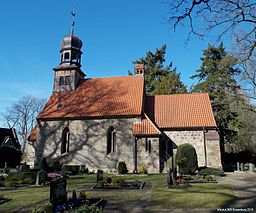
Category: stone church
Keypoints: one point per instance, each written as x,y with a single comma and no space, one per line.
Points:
98,122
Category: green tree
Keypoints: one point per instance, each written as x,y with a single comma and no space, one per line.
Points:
217,76
160,79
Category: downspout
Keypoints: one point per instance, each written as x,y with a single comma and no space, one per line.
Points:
135,154
205,150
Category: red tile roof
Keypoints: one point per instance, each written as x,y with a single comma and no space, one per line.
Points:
145,127
33,135
181,110
97,97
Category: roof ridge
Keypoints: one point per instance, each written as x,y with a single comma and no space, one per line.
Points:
121,76
180,94
151,122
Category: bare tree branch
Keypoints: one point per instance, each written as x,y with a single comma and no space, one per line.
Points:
22,115
231,19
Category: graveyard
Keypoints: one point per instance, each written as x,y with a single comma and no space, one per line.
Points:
155,193
59,188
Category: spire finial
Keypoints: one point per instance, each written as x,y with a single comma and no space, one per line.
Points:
73,21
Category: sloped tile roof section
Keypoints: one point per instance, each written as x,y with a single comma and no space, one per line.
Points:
181,110
145,127
33,135
97,97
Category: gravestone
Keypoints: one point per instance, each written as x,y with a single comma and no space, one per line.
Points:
177,171
5,167
74,196
82,168
40,177
58,193
251,167
238,166
242,167
24,167
99,176
170,181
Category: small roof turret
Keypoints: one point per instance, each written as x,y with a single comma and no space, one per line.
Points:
71,42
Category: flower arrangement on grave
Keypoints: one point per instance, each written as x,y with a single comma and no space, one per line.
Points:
80,204
54,176
83,195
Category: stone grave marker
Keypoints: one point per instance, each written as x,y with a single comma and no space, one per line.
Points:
99,176
169,178
242,167
251,167
177,171
238,166
24,167
58,193
5,167
40,177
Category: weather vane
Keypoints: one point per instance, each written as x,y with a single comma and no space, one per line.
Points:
73,20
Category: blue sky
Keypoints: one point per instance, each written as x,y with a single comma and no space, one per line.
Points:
114,34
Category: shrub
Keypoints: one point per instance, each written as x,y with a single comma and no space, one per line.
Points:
3,176
83,169
48,208
189,152
9,183
83,195
73,169
182,163
23,177
122,169
143,169
100,183
246,167
210,171
109,180
208,178
118,181
87,209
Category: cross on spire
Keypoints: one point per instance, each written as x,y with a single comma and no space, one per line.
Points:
73,21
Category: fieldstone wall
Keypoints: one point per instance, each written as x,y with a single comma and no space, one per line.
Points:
208,150
29,153
148,156
88,143
213,149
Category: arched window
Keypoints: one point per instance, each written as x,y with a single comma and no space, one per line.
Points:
66,57
148,145
111,140
61,80
74,57
65,141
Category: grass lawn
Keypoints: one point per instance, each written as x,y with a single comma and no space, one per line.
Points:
22,198
31,196
197,196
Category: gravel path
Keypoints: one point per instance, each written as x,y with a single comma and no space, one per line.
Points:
244,187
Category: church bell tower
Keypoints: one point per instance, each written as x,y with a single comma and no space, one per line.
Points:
68,74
